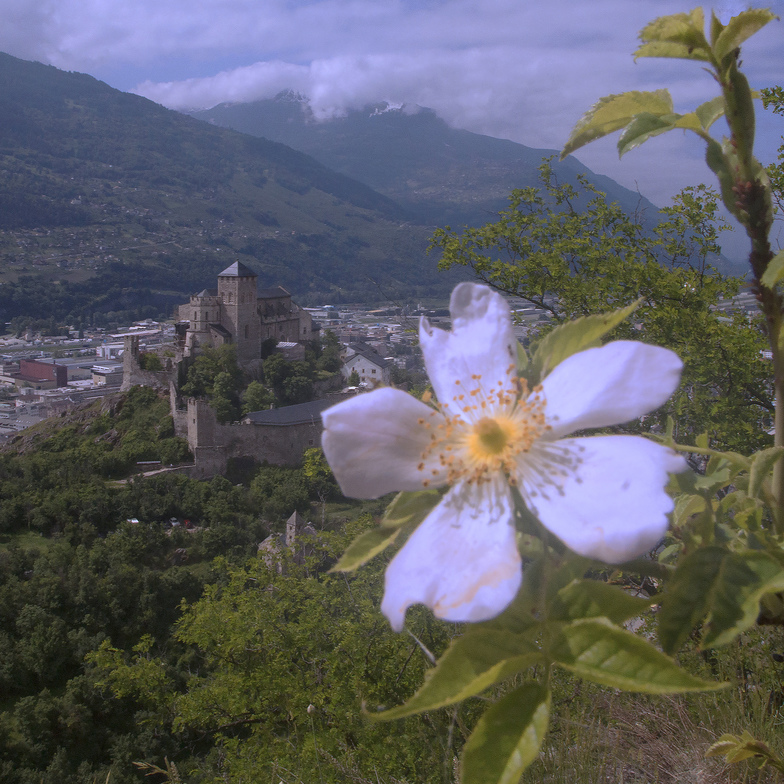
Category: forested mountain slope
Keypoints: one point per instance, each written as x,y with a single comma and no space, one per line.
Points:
111,203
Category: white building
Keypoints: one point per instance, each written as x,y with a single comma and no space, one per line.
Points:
371,368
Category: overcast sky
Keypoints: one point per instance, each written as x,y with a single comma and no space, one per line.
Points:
517,69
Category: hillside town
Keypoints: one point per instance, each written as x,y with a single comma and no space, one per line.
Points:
43,376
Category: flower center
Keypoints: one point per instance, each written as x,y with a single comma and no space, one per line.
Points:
471,449
490,437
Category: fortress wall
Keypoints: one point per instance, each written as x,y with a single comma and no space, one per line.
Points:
214,444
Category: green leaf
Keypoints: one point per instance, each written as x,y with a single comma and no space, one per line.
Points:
686,507
643,127
410,508
601,652
762,464
687,598
522,359
710,111
736,749
679,35
365,547
726,587
507,739
739,29
471,664
715,27
743,580
593,599
740,107
614,112
676,51
775,270
719,164
573,336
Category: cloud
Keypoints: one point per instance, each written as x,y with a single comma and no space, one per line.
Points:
515,69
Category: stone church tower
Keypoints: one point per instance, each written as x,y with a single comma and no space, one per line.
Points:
238,313
237,293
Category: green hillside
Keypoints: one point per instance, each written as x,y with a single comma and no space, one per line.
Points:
110,203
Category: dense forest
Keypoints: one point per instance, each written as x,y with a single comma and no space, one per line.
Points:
92,566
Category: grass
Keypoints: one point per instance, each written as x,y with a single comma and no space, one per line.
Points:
26,540
600,735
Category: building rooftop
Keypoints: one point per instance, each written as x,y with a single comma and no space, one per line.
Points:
291,415
238,270
273,293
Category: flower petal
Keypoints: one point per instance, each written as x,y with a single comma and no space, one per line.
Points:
374,443
603,497
462,560
609,385
480,351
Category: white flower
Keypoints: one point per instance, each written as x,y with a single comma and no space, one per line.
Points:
602,496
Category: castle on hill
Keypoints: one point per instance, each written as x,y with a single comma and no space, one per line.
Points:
237,312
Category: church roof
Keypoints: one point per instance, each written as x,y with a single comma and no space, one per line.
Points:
274,292
221,330
238,270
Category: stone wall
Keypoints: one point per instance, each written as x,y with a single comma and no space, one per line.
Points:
213,444
134,376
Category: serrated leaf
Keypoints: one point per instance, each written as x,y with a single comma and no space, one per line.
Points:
724,744
601,652
685,30
410,508
717,478
687,599
688,122
742,581
775,270
762,464
739,29
573,336
715,27
614,112
365,547
594,599
687,506
710,111
722,586
643,127
736,749
507,739
672,50
470,665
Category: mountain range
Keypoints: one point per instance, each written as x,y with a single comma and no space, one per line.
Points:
440,175
112,206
